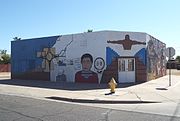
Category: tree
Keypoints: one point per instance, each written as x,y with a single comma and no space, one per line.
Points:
5,58
89,30
178,59
16,38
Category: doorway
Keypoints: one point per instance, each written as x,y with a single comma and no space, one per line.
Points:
126,70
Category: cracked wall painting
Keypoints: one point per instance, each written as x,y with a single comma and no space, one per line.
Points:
74,68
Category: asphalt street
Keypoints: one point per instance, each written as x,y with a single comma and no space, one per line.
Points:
29,100
18,108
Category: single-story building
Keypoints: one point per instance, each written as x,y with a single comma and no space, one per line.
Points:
92,57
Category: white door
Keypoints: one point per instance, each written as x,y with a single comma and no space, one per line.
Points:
126,70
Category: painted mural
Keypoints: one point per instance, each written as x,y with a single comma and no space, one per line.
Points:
86,75
90,57
47,55
79,59
156,58
127,42
99,64
31,57
130,48
75,68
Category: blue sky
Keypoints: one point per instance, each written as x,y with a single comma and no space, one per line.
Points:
41,18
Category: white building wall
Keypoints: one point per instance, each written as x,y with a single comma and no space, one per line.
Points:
94,43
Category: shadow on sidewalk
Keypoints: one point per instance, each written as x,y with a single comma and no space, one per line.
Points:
60,85
101,101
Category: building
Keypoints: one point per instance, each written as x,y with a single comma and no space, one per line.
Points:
93,57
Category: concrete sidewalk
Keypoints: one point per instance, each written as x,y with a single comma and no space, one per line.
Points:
155,96
156,90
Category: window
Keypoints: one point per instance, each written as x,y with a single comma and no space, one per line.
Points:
130,64
121,65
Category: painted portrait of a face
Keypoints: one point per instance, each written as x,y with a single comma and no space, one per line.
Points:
86,64
86,75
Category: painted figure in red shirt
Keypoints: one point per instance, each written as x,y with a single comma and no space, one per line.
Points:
86,75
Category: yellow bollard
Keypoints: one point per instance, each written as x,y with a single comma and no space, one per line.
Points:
112,84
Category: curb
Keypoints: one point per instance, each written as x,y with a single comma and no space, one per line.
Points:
100,101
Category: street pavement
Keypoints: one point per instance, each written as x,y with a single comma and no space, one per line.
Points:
155,96
16,108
